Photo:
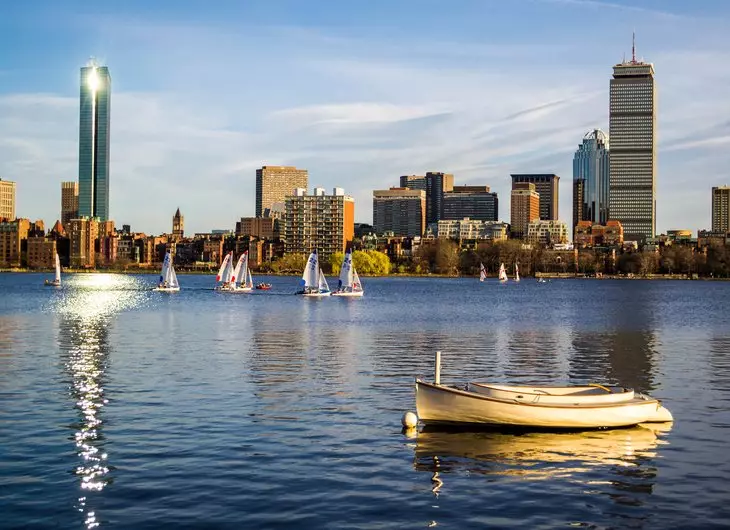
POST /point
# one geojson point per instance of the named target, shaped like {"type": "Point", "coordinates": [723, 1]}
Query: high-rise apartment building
{"type": "Point", "coordinates": [547, 186]}
{"type": "Point", "coordinates": [399, 210]}
{"type": "Point", "coordinates": [721, 209]}
{"type": "Point", "coordinates": [525, 208]}
{"type": "Point", "coordinates": [275, 183]}
{"type": "Point", "coordinates": [7, 200]}
{"type": "Point", "coordinates": [474, 202]}
{"type": "Point", "coordinates": [94, 127]}
{"type": "Point", "coordinates": [436, 185]}
{"type": "Point", "coordinates": [324, 222]}
{"type": "Point", "coordinates": [590, 179]}
{"type": "Point", "coordinates": [12, 234]}
{"type": "Point", "coordinates": [632, 129]}
{"type": "Point", "coordinates": [178, 225]}
{"type": "Point", "coordinates": [69, 201]}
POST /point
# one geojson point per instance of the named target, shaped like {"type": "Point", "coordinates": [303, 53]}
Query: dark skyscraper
{"type": "Point", "coordinates": [95, 106]}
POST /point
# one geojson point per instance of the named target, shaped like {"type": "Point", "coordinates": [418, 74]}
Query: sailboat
{"type": "Point", "coordinates": [225, 274]}
{"type": "Point", "coordinates": [313, 281]}
{"type": "Point", "coordinates": [517, 273]}
{"type": "Point", "coordinates": [482, 272]}
{"type": "Point", "coordinates": [241, 281]}
{"type": "Point", "coordinates": [502, 273]}
{"type": "Point", "coordinates": [56, 282]}
{"type": "Point", "coordinates": [349, 280]}
{"type": "Point", "coordinates": [168, 279]}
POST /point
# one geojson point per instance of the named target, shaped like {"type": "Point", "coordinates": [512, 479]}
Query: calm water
{"type": "Point", "coordinates": [128, 408]}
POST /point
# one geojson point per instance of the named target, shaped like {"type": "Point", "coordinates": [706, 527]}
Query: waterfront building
{"type": "Point", "coordinates": [720, 209]}
{"type": "Point", "coordinates": [7, 200]}
{"type": "Point", "coordinates": [613, 235]}
{"type": "Point", "coordinates": [324, 222]}
{"type": "Point", "coordinates": [547, 233]}
{"type": "Point", "coordinates": [712, 238]}
{"type": "Point", "coordinates": [83, 233]}
{"type": "Point", "coordinates": [94, 127]}
{"type": "Point", "coordinates": [69, 201]}
{"type": "Point", "coordinates": [632, 130]}
{"type": "Point", "coordinates": [12, 235]}
{"type": "Point", "coordinates": [41, 252]}
{"type": "Point", "coordinates": [547, 186]}
{"type": "Point", "coordinates": [178, 225]}
{"type": "Point", "coordinates": [590, 179]}
{"type": "Point", "coordinates": [258, 227]}
{"type": "Point", "coordinates": [471, 229]}
{"type": "Point", "coordinates": [474, 202]}
{"type": "Point", "coordinates": [275, 183]}
{"type": "Point", "coordinates": [400, 211]}
{"type": "Point", "coordinates": [525, 208]}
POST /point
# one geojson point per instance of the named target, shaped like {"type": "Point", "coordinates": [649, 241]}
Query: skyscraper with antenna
{"type": "Point", "coordinates": [632, 163]}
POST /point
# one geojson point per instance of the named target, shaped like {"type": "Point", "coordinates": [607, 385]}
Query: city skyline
{"type": "Point", "coordinates": [512, 103]}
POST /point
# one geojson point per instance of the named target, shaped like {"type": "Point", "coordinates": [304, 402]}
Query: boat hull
{"type": "Point", "coordinates": [349, 294]}
{"type": "Point", "coordinates": [234, 290]}
{"type": "Point", "coordinates": [315, 295]}
{"type": "Point", "coordinates": [166, 289]}
{"type": "Point", "coordinates": [555, 395]}
{"type": "Point", "coordinates": [52, 284]}
{"type": "Point", "coordinates": [440, 404]}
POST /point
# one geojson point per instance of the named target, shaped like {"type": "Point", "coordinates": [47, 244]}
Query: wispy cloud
{"type": "Point", "coordinates": [600, 4]}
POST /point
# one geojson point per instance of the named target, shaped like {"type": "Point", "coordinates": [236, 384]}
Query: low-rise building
{"type": "Point", "coordinates": [547, 232]}
{"type": "Point", "coordinates": [41, 253]}
{"type": "Point", "coordinates": [12, 235]}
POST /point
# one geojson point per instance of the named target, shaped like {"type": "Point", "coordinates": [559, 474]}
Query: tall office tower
{"type": "Point", "coordinates": [720, 209]}
{"type": "Point", "coordinates": [546, 185]}
{"type": "Point", "coordinates": [474, 202]}
{"type": "Point", "coordinates": [590, 179]}
{"type": "Point", "coordinates": [413, 182]}
{"type": "Point", "coordinates": [178, 225]}
{"type": "Point", "coordinates": [324, 222]}
{"type": "Point", "coordinates": [275, 183]}
{"type": "Point", "coordinates": [7, 200]}
{"type": "Point", "coordinates": [399, 210]}
{"type": "Point", "coordinates": [94, 121]}
{"type": "Point", "coordinates": [632, 129]}
{"type": "Point", "coordinates": [436, 185]}
{"type": "Point", "coordinates": [525, 208]}
{"type": "Point", "coordinates": [69, 202]}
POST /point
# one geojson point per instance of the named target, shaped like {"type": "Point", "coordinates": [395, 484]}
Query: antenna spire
{"type": "Point", "coordinates": [633, 47]}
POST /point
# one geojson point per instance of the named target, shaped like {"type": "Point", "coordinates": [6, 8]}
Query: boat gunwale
{"type": "Point", "coordinates": [636, 401]}
{"type": "Point", "coordinates": [530, 389]}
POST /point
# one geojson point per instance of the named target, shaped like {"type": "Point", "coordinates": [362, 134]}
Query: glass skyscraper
{"type": "Point", "coordinates": [590, 179]}
{"type": "Point", "coordinates": [95, 105]}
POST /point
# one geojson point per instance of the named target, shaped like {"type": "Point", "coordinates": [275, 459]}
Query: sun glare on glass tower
{"type": "Point", "coordinates": [94, 110]}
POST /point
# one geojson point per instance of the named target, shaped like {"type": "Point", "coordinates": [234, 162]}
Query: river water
{"type": "Point", "coordinates": [121, 407]}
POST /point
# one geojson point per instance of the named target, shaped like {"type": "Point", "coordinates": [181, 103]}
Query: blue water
{"type": "Point", "coordinates": [121, 407]}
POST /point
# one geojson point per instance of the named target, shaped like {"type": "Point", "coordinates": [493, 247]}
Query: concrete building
{"type": "Point", "coordinates": [525, 208]}
{"type": "Point", "coordinates": [275, 183]}
{"type": "Point", "coordinates": [7, 200]}
{"type": "Point", "coordinates": [41, 253]}
{"type": "Point", "coordinates": [178, 225]}
{"type": "Point", "coordinates": [12, 235]}
{"type": "Point", "coordinates": [547, 233]}
{"type": "Point", "coordinates": [83, 233]}
{"type": "Point", "coordinates": [632, 130]}
{"type": "Point", "coordinates": [401, 211]}
{"type": "Point", "coordinates": [721, 209]}
{"type": "Point", "coordinates": [94, 128]}
{"type": "Point", "coordinates": [324, 222]}
{"type": "Point", "coordinates": [590, 179]}
{"type": "Point", "coordinates": [547, 186]}
{"type": "Point", "coordinates": [474, 202]}
{"type": "Point", "coordinates": [69, 201]}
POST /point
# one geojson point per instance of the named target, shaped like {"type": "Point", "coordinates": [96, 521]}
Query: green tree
{"type": "Point", "coordinates": [336, 262]}
{"type": "Point", "coordinates": [447, 257]}
{"type": "Point", "coordinates": [289, 263]}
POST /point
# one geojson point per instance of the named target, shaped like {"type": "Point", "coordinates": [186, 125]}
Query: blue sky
{"type": "Point", "coordinates": [357, 93]}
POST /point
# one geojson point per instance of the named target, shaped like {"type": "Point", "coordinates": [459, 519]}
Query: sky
{"type": "Point", "coordinates": [358, 93]}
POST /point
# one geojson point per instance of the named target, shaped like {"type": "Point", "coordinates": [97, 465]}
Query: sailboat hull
{"type": "Point", "coordinates": [315, 295]}
{"type": "Point", "coordinates": [349, 294]}
{"type": "Point", "coordinates": [166, 289]}
{"type": "Point", "coordinates": [52, 283]}
{"type": "Point", "coordinates": [236, 290]}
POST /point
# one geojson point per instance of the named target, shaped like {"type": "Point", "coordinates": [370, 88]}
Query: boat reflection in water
{"type": "Point", "coordinates": [537, 455]}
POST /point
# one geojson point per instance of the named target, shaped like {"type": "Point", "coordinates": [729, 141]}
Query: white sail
{"type": "Point", "coordinates": [482, 272]}
{"type": "Point", "coordinates": [310, 278]}
{"type": "Point", "coordinates": [356, 285]}
{"type": "Point", "coordinates": [172, 282]}
{"type": "Point", "coordinates": [346, 269]}
{"type": "Point", "coordinates": [249, 284]}
{"type": "Point", "coordinates": [322, 283]}
{"type": "Point", "coordinates": [236, 277]}
{"type": "Point", "coordinates": [502, 273]}
{"type": "Point", "coordinates": [517, 273]}
{"type": "Point", "coordinates": [224, 272]}
{"type": "Point", "coordinates": [58, 270]}
{"type": "Point", "coordinates": [165, 268]}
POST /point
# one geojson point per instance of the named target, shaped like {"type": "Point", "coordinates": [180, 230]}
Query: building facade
{"type": "Point", "coordinates": [94, 128]}
{"type": "Point", "coordinates": [324, 222]}
{"type": "Point", "coordinates": [547, 233]}
{"type": "Point", "coordinates": [474, 202]}
{"type": "Point", "coordinates": [401, 211]}
{"type": "Point", "coordinates": [83, 233]}
{"type": "Point", "coordinates": [69, 201]}
{"type": "Point", "coordinates": [632, 130]}
{"type": "Point", "coordinates": [259, 227]}
{"type": "Point", "coordinates": [7, 200]}
{"type": "Point", "coordinates": [436, 185]}
{"type": "Point", "coordinates": [413, 182]}
{"type": "Point", "coordinates": [41, 253]}
{"type": "Point", "coordinates": [590, 179]}
{"type": "Point", "coordinates": [525, 208]}
{"type": "Point", "coordinates": [471, 229]}
{"type": "Point", "coordinates": [275, 183]}
{"type": "Point", "coordinates": [547, 186]}
{"type": "Point", "coordinates": [12, 235]}
{"type": "Point", "coordinates": [721, 209]}
{"type": "Point", "coordinates": [178, 225]}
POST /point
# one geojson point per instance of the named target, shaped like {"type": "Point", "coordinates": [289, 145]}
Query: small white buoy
{"type": "Point", "coordinates": [409, 420]}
